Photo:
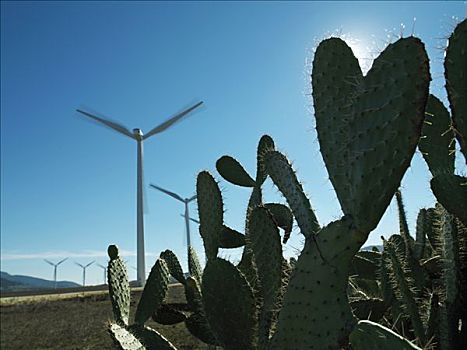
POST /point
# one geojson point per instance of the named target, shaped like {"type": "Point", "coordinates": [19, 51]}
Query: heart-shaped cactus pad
{"type": "Point", "coordinates": [369, 126]}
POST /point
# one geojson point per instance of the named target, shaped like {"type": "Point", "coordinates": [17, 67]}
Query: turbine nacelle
{"type": "Point", "coordinates": [138, 134]}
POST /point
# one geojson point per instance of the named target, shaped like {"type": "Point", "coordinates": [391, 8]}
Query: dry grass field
{"type": "Point", "coordinates": [76, 321]}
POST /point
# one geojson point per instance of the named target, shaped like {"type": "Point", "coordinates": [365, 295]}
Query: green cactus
{"type": "Point", "coordinates": [194, 267]}
{"type": "Point", "coordinates": [136, 336]}
{"type": "Point", "coordinates": [173, 265]}
{"type": "Point", "coordinates": [404, 285]}
{"type": "Point", "coordinates": [119, 287]}
{"type": "Point", "coordinates": [449, 189]}
{"type": "Point", "coordinates": [124, 338]}
{"type": "Point", "coordinates": [229, 305]}
{"type": "Point", "coordinates": [437, 143]}
{"type": "Point", "coordinates": [368, 127]}
{"type": "Point", "coordinates": [154, 292]}
{"type": "Point", "coordinates": [267, 252]}
{"type": "Point", "coordinates": [455, 71]}
{"type": "Point", "coordinates": [211, 213]}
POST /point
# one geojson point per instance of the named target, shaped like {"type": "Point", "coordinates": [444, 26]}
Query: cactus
{"type": "Point", "coordinates": [154, 292]}
{"type": "Point", "coordinates": [194, 266]}
{"type": "Point", "coordinates": [230, 306]}
{"type": "Point", "coordinates": [438, 149]}
{"type": "Point", "coordinates": [455, 71]}
{"type": "Point", "coordinates": [119, 287]}
{"type": "Point", "coordinates": [353, 115]}
{"type": "Point", "coordinates": [136, 336]}
{"type": "Point", "coordinates": [368, 128]}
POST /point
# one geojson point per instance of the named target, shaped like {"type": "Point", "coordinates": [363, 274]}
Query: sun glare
{"type": "Point", "coordinates": [361, 50]}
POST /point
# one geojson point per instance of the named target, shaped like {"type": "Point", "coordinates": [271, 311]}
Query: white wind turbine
{"type": "Point", "coordinates": [84, 267]}
{"type": "Point", "coordinates": [138, 135]}
{"type": "Point", "coordinates": [55, 269]}
{"type": "Point", "coordinates": [186, 201]}
{"type": "Point", "coordinates": [105, 272]}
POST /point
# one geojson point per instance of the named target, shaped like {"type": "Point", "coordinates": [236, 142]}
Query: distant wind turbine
{"type": "Point", "coordinates": [105, 272]}
{"type": "Point", "coordinates": [55, 269]}
{"type": "Point", "coordinates": [84, 267]}
{"type": "Point", "coordinates": [186, 201]}
{"type": "Point", "coordinates": [138, 135]}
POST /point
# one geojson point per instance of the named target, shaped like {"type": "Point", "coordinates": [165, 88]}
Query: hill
{"type": "Point", "coordinates": [11, 283]}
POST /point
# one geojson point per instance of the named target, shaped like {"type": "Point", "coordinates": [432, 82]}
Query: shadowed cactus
{"type": "Point", "coordinates": [136, 336]}
{"type": "Point", "coordinates": [368, 128]}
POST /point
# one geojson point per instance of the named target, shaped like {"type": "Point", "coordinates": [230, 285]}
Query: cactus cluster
{"type": "Point", "coordinates": [334, 296]}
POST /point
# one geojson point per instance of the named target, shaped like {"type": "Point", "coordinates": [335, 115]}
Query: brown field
{"type": "Point", "coordinates": [74, 321]}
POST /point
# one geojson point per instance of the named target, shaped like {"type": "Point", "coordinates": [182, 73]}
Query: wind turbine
{"type": "Point", "coordinates": [186, 201]}
{"type": "Point", "coordinates": [138, 135]}
{"type": "Point", "coordinates": [84, 267]}
{"type": "Point", "coordinates": [55, 269]}
{"type": "Point", "coordinates": [105, 272]}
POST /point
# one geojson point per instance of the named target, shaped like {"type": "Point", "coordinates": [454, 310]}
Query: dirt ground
{"type": "Point", "coordinates": [78, 322]}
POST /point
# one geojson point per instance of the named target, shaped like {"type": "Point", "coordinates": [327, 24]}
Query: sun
{"type": "Point", "coordinates": [361, 50]}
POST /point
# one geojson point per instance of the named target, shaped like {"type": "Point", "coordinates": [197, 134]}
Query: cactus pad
{"type": "Point", "coordinates": [168, 315]}
{"type": "Point", "coordinates": [284, 177]}
{"type": "Point", "coordinates": [150, 338]}
{"type": "Point", "coordinates": [451, 192]}
{"type": "Point", "coordinates": [229, 305]}
{"type": "Point", "coordinates": [265, 145]}
{"type": "Point", "coordinates": [194, 267]}
{"type": "Point", "coordinates": [154, 292]}
{"type": "Point", "coordinates": [119, 287]}
{"type": "Point", "coordinates": [316, 312]}
{"type": "Point", "coordinates": [437, 143]}
{"type": "Point", "coordinates": [231, 238]}
{"type": "Point", "coordinates": [455, 71]}
{"type": "Point", "coordinates": [368, 126]}
{"type": "Point", "coordinates": [231, 170]}
{"type": "Point", "coordinates": [211, 212]}
{"type": "Point", "coordinates": [124, 339]}
{"type": "Point", "coordinates": [174, 265]}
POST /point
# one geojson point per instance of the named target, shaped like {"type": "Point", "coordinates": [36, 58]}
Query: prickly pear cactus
{"type": "Point", "coordinates": [136, 336]}
{"type": "Point", "coordinates": [368, 128]}
{"type": "Point", "coordinates": [119, 287]}
{"type": "Point", "coordinates": [455, 68]}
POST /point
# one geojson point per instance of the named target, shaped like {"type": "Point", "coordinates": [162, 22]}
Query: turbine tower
{"type": "Point", "coordinates": [105, 272]}
{"type": "Point", "coordinates": [84, 267]}
{"type": "Point", "coordinates": [55, 269]}
{"type": "Point", "coordinates": [138, 135]}
{"type": "Point", "coordinates": [186, 201]}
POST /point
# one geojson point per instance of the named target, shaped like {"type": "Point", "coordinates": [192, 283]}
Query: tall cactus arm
{"type": "Point", "coordinates": [455, 71]}
{"type": "Point", "coordinates": [119, 287]}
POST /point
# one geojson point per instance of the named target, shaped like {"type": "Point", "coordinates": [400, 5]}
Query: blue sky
{"type": "Point", "coordinates": [68, 186]}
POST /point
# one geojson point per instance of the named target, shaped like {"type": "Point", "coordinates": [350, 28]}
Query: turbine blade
{"type": "Point", "coordinates": [192, 198]}
{"type": "Point", "coordinates": [109, 123]}
{"type": "Point", "coordinates": [169, 122]}
{"type": "Point", "coordinates": [61, 261]}
{"type": "Point", "coordinates": [79, 264]}
{"type": "Point", "coordinates": [174, 195]}
{"type": "Point", "coordinates": [49, 262]}
{"type": "Point", "coordinates": [194, 220]}
{"type": "Point", "coordinates": [92, 262]}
